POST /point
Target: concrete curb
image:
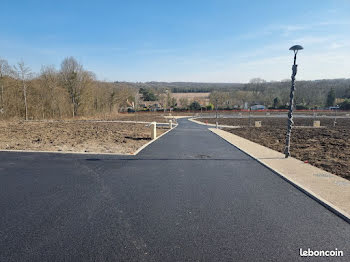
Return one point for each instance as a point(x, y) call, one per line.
point(64, 152)
point(128, 122)
point(331, 207)
point(213, 125)
point(96, 121)
point(176, 117)
point(150, 142)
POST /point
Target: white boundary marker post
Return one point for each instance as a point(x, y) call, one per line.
point(153, 130)
point(317, 123)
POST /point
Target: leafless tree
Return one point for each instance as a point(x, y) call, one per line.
point(184, 102)
point(4, 71)
point(257, 80)
point(23, 74)
point(74, 78)
point(218, 98)
point(48, 95)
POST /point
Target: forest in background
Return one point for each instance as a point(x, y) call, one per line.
point(71, 91)
point(316, 94)
point(68, 92)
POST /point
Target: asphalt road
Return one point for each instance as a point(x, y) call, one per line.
point(189, 196)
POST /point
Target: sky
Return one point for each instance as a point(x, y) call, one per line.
point(182, 40)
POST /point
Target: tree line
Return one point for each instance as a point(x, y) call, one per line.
point(314, 94)
point(72, 91)
point(275, 95)
point(68, 92)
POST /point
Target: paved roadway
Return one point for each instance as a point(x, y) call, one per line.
point(189, 196)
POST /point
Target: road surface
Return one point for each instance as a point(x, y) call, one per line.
point(189, 196)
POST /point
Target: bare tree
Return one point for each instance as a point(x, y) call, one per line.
point(184, 102)
point(122, 94)
point(48, 83)
point(257, 80)
point(74, 79)
point(23, 74)
point(4, 71)
point(218, 98)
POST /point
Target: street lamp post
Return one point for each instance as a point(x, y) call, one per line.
point(295, 49)
point(166, 100)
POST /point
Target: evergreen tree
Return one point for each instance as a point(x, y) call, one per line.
point(331, 98)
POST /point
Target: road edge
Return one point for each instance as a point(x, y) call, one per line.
point(64, 152)
point(212, 125)
point(335, 210)
point(150, 142)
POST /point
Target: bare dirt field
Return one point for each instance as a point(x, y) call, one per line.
point(327, 148)
point(145, 116)
point(245, 113)
point(74, 136)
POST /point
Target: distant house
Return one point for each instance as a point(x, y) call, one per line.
point(258, 107)
point(150, 105)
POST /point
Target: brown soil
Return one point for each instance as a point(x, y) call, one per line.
point(139, 116)
point(327, 148)
point(318, 113)
point(143, 116)
point(74, 136)
point(277, 121)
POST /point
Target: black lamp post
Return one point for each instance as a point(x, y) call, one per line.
point(295, 49)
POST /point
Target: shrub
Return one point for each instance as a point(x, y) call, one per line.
point(345, 105)
point(210, 107)
point(195, 106)
point(301, 107)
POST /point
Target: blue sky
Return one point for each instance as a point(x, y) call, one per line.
point(167, 40)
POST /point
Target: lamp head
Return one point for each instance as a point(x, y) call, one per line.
point(296, 48)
